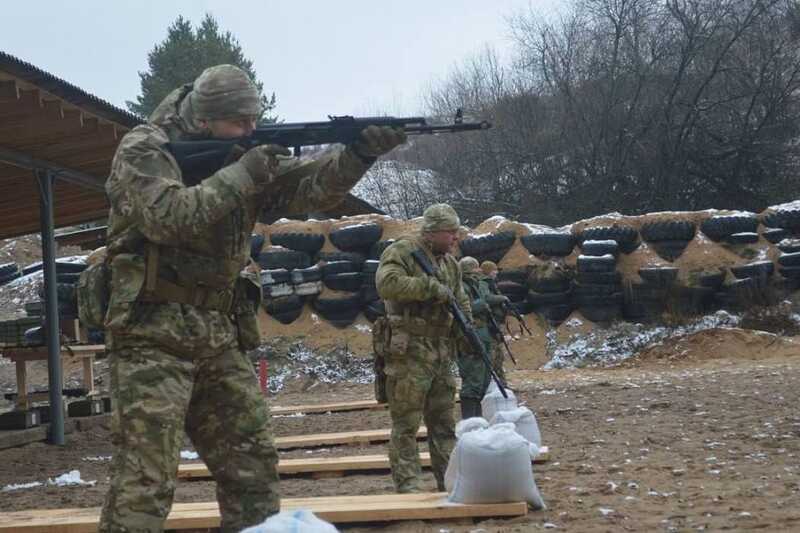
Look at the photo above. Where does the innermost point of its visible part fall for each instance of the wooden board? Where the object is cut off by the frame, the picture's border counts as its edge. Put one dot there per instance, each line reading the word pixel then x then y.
pixel 336 509
pixel 335 439
pixel 360 405
pixel 338 465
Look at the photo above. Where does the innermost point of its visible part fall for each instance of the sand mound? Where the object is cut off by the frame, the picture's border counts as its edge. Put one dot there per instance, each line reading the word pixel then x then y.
pixel 722 343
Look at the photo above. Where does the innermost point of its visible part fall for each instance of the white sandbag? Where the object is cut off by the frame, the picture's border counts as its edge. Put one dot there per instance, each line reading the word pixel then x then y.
pixel 524 422
pixel 492 465
pixel 299 521
pixel 470 424
pixel 494 402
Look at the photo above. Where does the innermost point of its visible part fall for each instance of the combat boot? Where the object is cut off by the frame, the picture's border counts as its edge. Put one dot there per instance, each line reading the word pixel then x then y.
pixel 470 408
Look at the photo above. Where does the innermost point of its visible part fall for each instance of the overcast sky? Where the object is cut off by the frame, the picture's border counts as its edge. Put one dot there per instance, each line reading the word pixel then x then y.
pixel 320 57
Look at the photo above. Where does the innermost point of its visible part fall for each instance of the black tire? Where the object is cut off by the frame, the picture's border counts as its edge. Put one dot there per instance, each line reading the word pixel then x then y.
pixel 340 267
pixel 494 256
pixel 514 291
pixel 690 301
pixel 256 244
pixel 603 278
pixel 598 248
pixel 65 292
pixel 642 310
pixel 306 275
pixel 356 238
pixel 544 299
pixel 370 266
pixel 287 317
pixel 721 226
pixel 590 294
pixel 524 308
pixel 713 280
pixel 368 293
pixel 275 276
pixel 789 260
pixel 483 245
pixel 775 235
pixel 8 268
pixel 309 288
pixel 594 300
pixel 330 257
pixel 277 290
pixel 760 269
pixel 35 336
pixel 668 230
pixel 68 277
pixel 783 218
pixel 34 308
pixel 627 237
pixel 792 272
pixel 555 314
pixel 587 263
pixel 789 246
pixel 601 314
pixel 661 276
pixel 9 277
pixel 283 304
pixel 645 291
pixel 550 284
pixel 517 275
pixel 377 249
pixel 337 306
pixel 374 310
pixel 288 259
pixel 345 281
pixel 309 243
pixel 742 238
pixel 549 244
pixel 669 250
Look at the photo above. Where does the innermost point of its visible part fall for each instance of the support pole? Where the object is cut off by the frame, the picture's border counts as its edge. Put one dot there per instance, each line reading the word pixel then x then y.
pixel 54 371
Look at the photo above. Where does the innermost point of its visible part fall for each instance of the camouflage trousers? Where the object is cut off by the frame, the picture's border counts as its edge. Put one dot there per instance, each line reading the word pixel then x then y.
pixel 420 386
pixel 498 355
pixel 215 399
pixel 474 374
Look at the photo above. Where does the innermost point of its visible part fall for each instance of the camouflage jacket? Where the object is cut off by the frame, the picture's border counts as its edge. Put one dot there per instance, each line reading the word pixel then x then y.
pixel 477 289
pixel 406 289
pixel 202 231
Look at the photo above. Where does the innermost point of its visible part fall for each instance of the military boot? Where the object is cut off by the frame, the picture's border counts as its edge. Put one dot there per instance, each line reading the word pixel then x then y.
pixel 470 408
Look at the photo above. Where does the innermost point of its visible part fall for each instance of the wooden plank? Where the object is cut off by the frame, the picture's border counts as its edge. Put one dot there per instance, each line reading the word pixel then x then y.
pixel 335 509
pixel 328 464
pixel 327 407
pixel 336 439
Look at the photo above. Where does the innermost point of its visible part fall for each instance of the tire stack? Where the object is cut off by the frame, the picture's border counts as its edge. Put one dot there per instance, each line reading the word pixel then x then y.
pixel 489 247
pixel 732 229
pixel 67 275
pixel 287 277
pixel 751 287
pixel 348 275
pixel 789 263
pixel 646 301
pixel 787 220
pixel 9 272
pixel 669 238
pixel 550 293
pixel 597 292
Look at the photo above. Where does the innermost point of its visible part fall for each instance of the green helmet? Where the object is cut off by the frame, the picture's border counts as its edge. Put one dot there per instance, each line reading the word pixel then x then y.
pixel 440 217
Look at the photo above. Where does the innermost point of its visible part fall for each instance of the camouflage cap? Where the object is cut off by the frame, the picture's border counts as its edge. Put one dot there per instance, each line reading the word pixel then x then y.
pixel 468 264
pixel 224 91
pixel 487 267
pixel 440 217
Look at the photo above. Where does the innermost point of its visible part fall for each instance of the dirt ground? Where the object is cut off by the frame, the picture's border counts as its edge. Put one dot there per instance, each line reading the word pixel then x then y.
pixel 664 443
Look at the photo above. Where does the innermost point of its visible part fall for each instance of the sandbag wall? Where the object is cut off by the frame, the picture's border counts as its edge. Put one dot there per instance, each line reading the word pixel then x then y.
pixel 606 268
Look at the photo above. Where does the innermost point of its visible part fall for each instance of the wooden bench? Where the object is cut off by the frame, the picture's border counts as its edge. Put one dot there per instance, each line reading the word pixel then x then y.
pixel 335 509
pixel 325 467
pixel 20 355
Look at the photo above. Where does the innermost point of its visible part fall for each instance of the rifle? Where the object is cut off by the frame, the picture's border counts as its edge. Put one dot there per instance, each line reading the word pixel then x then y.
pixel 507 307
pixel 461 320
pixel 495 327
pixel 200 159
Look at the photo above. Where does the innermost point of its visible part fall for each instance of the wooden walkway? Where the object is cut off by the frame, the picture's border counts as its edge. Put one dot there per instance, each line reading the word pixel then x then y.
pixel 336 509
pixel 323 467
pixel 337 439
pixel 360 405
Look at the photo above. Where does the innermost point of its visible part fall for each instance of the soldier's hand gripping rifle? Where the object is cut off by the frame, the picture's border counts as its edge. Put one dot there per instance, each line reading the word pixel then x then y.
pixel 498 333
pixel 199 159
pixel 461 320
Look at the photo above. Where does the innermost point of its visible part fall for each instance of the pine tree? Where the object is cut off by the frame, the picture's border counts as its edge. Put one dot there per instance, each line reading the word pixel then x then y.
pixel 183 55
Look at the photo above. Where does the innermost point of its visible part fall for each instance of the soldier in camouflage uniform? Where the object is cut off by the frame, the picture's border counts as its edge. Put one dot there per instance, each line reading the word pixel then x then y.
pixel 497 302
pixel 421 345
pixel 471 366
pixel 181 311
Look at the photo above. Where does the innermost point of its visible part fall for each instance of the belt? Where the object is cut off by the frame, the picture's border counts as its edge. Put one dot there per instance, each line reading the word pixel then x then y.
pixel 199 296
